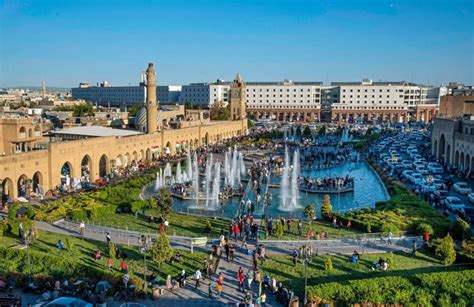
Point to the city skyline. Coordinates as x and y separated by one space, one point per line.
264 41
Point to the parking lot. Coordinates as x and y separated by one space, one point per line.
406 156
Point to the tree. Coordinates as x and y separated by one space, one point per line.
250 123
310 213
322 130
279 230
424 227
219 112
133 109
164 202
461 230
161 250
445 250
307 132
83 109
112 254
328 264
326 207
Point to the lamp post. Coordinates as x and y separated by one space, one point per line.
307 256
145 245
28 241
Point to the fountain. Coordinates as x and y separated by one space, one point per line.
195 176
179 175
216 187
208 174
284 186
294 179
189 171
160 181
345 136
289 191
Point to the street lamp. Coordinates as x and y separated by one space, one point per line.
145 246
307 257
28 237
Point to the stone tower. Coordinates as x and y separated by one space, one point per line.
43 89
237 99
151 107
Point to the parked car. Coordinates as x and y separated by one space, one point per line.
422 170
68 301
462 188
416 178
407 174
471 197
454 204
435 168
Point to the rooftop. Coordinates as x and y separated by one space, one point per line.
96 131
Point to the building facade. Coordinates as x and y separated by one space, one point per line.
19 134
452 138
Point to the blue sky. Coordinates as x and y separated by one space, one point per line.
66 42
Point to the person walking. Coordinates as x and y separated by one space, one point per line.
82 228
107 237
219 290
263 299
109 264
241 279
124 266
220 279
210 291
198 277
231 251
250 278
227 250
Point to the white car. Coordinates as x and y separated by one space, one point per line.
416 178
471 197
453 203
422 170
462 188
435 168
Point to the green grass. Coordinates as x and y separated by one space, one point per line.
180 224
83 253
316 227
282 268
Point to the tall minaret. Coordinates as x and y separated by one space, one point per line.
151 106
43 89
237 99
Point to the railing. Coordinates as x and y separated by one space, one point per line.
375 238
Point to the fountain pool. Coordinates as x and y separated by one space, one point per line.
368 190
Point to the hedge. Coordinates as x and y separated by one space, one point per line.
425 289
99 203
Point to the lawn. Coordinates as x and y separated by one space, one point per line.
180 224
80 255
283 269
316 227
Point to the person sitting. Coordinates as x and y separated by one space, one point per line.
60 244
381 264
155 282
355 257
98 256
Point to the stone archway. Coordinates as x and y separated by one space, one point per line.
461 161
148 154
142 155
7 189
126 160
66 173
448 154
103 166
37 183
456 158
135 157
435 147
206 139
23 186
86 168
119 161
467 164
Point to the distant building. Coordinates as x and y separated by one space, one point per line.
18 134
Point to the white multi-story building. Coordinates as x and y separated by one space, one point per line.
376 100
105 94
205 94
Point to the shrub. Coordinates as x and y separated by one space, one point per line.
328 264
208 228
390 259
161 250
461 230
326 206
424 227
446 251
279 230
112 251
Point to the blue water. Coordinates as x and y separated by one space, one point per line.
368 190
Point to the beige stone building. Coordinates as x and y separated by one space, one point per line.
65 161
452 138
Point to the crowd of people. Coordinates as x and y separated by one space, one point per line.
327 183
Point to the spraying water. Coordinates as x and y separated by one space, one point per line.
208 178
195 176
294 179
216 186
285 184
179 175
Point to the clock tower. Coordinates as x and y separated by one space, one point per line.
237 99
